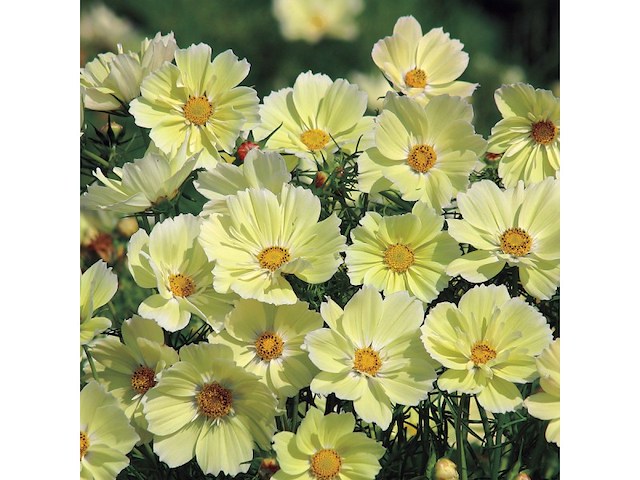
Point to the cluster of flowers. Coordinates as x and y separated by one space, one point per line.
233 265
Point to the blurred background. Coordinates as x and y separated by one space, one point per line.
507 40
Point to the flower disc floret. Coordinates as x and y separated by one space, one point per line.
198 110
181 285
367 360
421 158
214 401
272 258
325 464
515 241
315 139
142 379
84 444
269 346
482 352
416 78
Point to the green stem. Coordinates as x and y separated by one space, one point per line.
487 435
91 364
294 412
461 418
96 158
145 223
397 201
497 451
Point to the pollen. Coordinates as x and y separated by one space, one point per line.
269 345
315 139
181 285
416 78
272 258
197 110
421 158
325 464
367 360
399 257
482 352
214 401
544 132
143 379
84 444
515 241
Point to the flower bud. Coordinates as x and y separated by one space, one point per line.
128 226
446 470
523 476
116 128
244 148
268 468
320 179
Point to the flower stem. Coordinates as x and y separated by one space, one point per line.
461 418
91 364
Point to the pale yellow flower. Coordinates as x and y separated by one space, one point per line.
422 66
312 20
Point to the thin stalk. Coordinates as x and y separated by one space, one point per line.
496 455
91 364
145 223
463 414
96 158
294 412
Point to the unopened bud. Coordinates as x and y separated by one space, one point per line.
523 476
492 157
446 470
116 128
128 226
320 179
268 468
244 148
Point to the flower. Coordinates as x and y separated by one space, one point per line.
518 226
260 170
267 235
266 341
98 284
528 136
422 67
129 369
546 404
200 98
315 118
143 183
487 343
111 81
371 354
207 406
171 260
326 447
312 20
105 434
426 153
403 252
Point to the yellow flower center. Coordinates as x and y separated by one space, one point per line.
315 139
181 285
269 345
515 241
325 464
399 257
318 22
197 110
214 401
421 158
544 132
143 379
272 258
481 353
367 360
84 444
416 78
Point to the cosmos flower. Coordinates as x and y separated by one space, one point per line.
422 66
528 136
488 343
